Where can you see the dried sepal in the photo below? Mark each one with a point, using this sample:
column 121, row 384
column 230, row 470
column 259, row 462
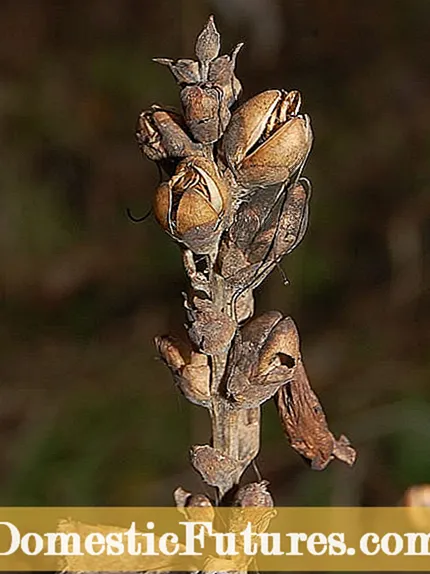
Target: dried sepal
column 184, row 70
column 191, row 376
column 267, row 141
column 222, row 73
column 216, row 468
column 305, row 425
column 264, row 358
column 192, row 204
column 208, row 42
column 257, row 507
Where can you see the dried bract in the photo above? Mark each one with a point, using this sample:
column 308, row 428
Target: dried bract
column 267, row 142
column 192, row 204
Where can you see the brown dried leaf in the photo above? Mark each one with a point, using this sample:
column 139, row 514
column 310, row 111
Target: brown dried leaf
column 305, row 424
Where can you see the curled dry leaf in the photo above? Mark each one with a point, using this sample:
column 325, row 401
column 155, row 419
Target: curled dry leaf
column 305, row 425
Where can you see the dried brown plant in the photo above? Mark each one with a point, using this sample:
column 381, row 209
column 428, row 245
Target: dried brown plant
column 234, row 199
column 236, row 203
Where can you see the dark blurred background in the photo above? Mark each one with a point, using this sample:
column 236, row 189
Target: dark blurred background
column 88, row 415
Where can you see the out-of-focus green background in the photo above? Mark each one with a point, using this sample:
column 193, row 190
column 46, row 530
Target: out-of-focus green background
column 88, row 415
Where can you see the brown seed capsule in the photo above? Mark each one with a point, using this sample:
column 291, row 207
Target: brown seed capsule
column 266, row 141
column 265, row 356
column 191, row 205
column 161, row 135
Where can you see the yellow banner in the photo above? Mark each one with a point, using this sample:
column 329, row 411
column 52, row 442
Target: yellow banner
column 204, row 538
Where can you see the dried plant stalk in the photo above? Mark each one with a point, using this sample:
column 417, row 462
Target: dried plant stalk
column 234, row 200
column 236, row 204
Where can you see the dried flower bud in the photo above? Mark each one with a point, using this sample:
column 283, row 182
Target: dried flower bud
column 209, row 86
column 208, row 42
column 192, row 204
column 266, row 141
column 161, row 135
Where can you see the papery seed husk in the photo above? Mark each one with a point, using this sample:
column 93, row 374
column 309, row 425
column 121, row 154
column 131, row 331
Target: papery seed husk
column 194, row 211
column 162, row 205
column 280, row 156
column 247, row 125
column 284, row 339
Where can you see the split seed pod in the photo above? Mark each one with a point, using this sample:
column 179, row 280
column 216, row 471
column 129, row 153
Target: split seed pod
column 267, row 142
column 192, row 204
column 161, row 135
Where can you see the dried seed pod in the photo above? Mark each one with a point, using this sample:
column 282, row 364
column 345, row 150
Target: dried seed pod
column 161, row 135
column 262, row 233
column 192, row 204
column 264, row 359
column 267, row 142
column 192, row 377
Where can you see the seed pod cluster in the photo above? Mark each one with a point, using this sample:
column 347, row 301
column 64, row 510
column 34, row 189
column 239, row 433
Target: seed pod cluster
column 233, row 197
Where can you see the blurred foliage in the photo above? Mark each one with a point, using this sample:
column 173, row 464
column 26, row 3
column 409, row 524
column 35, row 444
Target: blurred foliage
column 87, row 413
